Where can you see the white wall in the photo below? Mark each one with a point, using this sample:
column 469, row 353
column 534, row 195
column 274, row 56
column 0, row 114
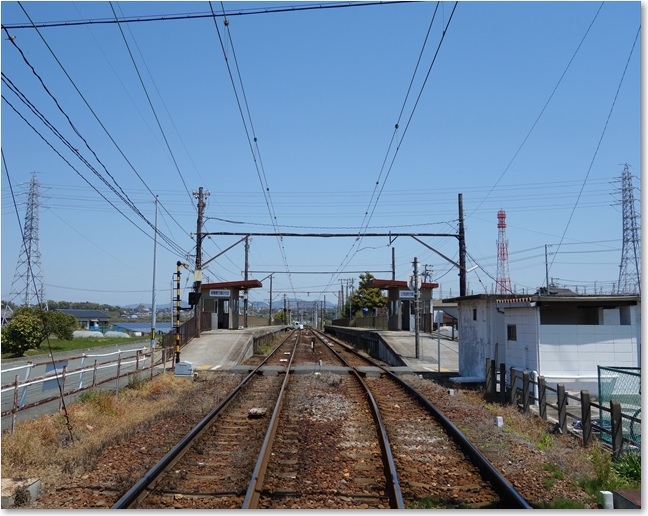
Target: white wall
column 571, row 354
column 523, row 352
column 481, row 338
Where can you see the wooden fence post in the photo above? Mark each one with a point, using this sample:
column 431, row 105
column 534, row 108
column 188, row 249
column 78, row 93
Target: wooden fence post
column 525, row 391
column 513, row 393
column 489, row 367
column 502, row 383
column 118, row 371
column 14, row 410
column 562, row 408
column 62, row 388
column 542, row 395
column 493, row 378
column 617, row 428
column 586, row 417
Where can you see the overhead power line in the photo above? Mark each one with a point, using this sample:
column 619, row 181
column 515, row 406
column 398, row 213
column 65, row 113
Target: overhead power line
column 189, row 16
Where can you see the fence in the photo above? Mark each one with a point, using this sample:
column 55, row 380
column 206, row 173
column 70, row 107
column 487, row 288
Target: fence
column 622, row 384
column 618, row 426
column 26, row 393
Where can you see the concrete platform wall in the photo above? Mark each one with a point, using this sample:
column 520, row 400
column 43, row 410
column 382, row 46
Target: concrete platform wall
column 368, row 341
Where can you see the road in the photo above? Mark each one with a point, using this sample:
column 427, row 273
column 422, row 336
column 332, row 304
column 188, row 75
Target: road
column 31, row 368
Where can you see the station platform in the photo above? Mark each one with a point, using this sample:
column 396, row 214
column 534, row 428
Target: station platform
column 227, row 349
column 223, row 349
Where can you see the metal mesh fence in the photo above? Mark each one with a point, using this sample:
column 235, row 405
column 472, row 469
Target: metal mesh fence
column 622, row 384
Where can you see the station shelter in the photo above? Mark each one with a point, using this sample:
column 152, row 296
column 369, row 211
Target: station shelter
column 400, row 302
column 222, row 301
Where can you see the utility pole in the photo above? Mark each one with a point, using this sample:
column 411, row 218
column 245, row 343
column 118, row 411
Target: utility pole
column 393, row 263
column 270, row 304
column 462, row 250
column 198, row 273
column 245, row 276
column 546, row 270
column 416, row 285
column 153, row 306
column 177, row 314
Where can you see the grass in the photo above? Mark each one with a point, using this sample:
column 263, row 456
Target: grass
column 58, row 346
column 42, row 447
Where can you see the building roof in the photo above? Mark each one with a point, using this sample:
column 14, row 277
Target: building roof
column 382, row 284
column 85, row 314
column 239, row 284
column 565, row 296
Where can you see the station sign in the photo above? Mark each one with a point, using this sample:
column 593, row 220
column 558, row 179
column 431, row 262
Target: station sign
column 219, row 293
column 406, row 294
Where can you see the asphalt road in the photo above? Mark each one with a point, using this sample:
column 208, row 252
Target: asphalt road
column 31, row 368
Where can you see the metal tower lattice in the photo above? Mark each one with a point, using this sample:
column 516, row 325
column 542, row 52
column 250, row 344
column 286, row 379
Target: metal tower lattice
column 27, row 287
column 629, row 269
column 503, row 282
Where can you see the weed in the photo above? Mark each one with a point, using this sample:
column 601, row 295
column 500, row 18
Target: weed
column 556, row 474
column 436, row 502
column 545, row 442
column 560, row 503
column 104, row 401
column 628, row 468
column 136, row 382
column 605, row 477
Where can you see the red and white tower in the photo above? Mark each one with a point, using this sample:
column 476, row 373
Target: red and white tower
column 503, row 282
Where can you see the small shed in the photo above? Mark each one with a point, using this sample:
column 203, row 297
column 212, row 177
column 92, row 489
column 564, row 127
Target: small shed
column 221, row 300
column 93, row 320
column 562, row 336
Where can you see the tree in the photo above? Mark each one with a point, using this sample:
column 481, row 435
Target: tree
column 61, row 325
column 366, row 296
column 25, row 331
column 29, row 328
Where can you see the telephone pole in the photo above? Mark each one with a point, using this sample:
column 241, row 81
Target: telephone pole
column 245, row 292
column 462, row 249
column 201, row 196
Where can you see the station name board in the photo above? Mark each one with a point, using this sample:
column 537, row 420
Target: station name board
column 406, row 294
column 219, row 293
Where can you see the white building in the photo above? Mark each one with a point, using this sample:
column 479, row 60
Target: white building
column 562, row 336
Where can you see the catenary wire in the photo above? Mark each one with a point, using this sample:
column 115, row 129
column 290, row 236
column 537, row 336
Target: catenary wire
column 598, row 145
column 101, row 124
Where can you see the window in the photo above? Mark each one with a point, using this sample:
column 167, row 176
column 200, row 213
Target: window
column 511, row 332
column 474, row 314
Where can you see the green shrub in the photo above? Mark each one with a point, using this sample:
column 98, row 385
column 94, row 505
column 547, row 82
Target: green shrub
column 628, row 467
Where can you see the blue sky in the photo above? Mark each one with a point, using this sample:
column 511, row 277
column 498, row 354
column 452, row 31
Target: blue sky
column 528, row 107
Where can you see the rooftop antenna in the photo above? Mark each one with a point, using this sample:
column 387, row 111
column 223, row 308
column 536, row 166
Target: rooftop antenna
column 503, row 282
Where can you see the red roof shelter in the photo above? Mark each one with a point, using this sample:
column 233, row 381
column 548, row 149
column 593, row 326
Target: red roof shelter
column 400, row 300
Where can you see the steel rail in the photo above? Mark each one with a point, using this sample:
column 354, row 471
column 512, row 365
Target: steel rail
column 393, row 485
column 142, row 487
column 251, row 500
column 499, row 483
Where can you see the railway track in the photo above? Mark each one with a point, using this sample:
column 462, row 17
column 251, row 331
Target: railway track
column 299, row 432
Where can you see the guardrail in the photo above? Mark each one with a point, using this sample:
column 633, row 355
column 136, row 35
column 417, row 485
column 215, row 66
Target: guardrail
column 619, row 428
column 32, row 392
